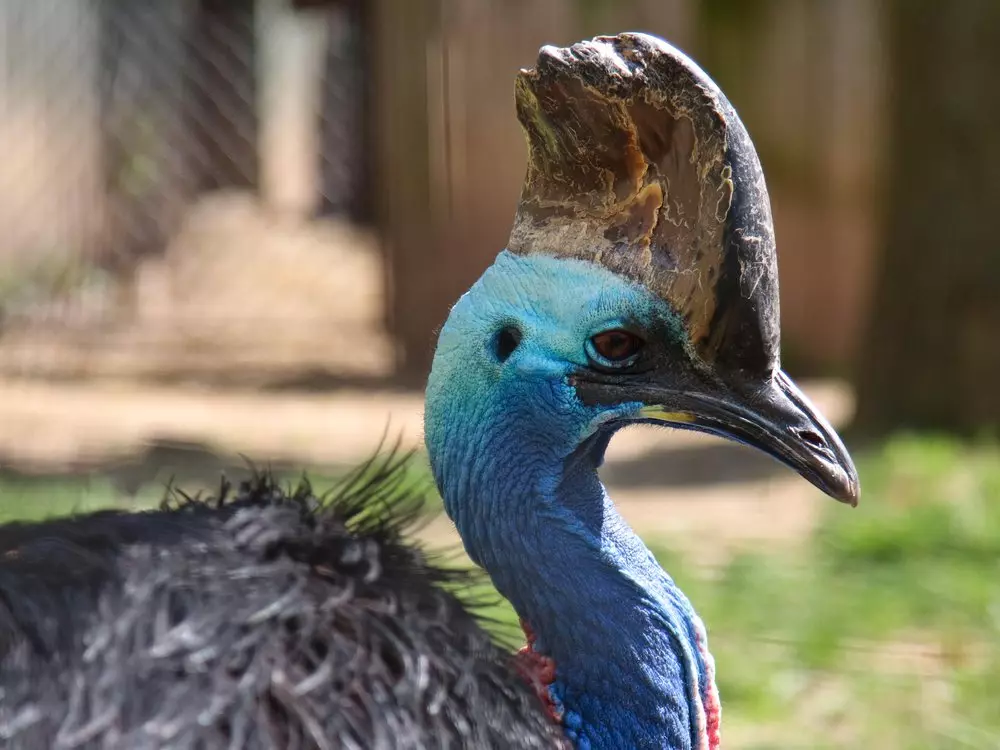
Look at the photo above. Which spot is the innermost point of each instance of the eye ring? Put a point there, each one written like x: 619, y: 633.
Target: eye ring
x: 616, y: 347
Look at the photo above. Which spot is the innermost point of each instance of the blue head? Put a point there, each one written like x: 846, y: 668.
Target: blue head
x: 613, y: 306
x: 515, y: 452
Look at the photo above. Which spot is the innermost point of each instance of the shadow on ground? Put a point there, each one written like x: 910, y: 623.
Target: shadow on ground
x: 198, y: 466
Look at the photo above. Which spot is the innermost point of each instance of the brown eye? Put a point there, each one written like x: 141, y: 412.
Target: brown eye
x: 616, y: 346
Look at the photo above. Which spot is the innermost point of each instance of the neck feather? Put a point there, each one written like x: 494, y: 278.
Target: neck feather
x: 631, y: 663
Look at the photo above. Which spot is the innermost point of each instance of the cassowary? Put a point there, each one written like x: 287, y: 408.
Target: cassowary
x: 639, y: 286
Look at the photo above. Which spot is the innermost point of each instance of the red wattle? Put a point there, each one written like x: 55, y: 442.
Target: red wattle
x: 539, y: 671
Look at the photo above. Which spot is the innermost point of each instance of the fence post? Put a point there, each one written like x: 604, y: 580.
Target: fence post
x: 290, y: 69
x: 410, y: 226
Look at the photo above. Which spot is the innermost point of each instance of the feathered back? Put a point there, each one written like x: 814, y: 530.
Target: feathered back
x: 262, y: 618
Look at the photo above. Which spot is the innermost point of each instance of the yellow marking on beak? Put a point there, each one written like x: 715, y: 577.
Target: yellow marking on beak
x: 658, y: 412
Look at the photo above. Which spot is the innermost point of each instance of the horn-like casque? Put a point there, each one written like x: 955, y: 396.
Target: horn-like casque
x: 637, y: 161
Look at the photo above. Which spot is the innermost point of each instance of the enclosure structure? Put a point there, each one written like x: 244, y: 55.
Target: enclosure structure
x: 206, y: 186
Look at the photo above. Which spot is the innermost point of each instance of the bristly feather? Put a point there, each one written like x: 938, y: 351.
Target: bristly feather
x: 264, y: 617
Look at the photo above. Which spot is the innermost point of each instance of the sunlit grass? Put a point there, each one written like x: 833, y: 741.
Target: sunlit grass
x: 885, y: 631
x: 30, y: 499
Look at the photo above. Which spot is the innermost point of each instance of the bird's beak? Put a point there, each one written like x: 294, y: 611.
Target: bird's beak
x: 773, y: 416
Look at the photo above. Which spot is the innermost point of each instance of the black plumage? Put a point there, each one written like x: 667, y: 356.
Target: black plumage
x: 260, y: 618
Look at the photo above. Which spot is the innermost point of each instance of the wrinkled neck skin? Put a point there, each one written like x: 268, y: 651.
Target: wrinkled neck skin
x: 632, y: 668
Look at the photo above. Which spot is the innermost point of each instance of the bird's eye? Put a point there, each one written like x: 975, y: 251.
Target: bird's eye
x: 507, y: 340
x: 616, y: 347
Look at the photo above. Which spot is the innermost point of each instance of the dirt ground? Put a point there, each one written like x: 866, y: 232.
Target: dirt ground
x: 241, y: 295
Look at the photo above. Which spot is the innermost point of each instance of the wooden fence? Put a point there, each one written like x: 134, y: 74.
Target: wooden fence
x: 120, y: 114
x: 806, y: 77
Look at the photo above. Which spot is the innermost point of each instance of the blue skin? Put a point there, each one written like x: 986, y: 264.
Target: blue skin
x: 515, y: 454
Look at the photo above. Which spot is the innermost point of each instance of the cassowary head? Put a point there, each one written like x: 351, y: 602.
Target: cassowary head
x: 639, y: 286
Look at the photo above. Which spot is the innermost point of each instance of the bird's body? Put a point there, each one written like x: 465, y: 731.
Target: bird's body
x: 639, y: 286
x: 268, y: 619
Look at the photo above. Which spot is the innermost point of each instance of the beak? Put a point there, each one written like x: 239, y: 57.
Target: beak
x: 774, y: 417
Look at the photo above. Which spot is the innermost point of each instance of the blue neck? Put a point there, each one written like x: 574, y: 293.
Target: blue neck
x: 624, y: 639
x: 515, y: 454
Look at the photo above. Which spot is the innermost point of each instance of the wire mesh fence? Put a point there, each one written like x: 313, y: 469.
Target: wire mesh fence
x: 179, y: 175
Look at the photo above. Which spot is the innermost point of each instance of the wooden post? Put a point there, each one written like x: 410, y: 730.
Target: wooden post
x: 292, y: 53
x: 410, y: 225
x: 932, y: 358
x: 51, y: 202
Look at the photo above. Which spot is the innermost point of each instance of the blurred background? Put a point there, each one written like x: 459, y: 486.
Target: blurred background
x: 231, y: 227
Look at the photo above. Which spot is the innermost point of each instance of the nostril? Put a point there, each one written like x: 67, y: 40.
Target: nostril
x: 811, y: 438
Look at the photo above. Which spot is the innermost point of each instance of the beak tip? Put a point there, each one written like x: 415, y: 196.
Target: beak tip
x: 855, y: 494
x: 848, y: 489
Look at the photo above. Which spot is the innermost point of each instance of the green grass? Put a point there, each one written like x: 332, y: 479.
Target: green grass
x: 30, y: 499
x: 881, y: 631
x: 884, y: 631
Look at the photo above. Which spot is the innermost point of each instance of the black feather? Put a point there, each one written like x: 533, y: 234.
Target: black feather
x: 260, y: 618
